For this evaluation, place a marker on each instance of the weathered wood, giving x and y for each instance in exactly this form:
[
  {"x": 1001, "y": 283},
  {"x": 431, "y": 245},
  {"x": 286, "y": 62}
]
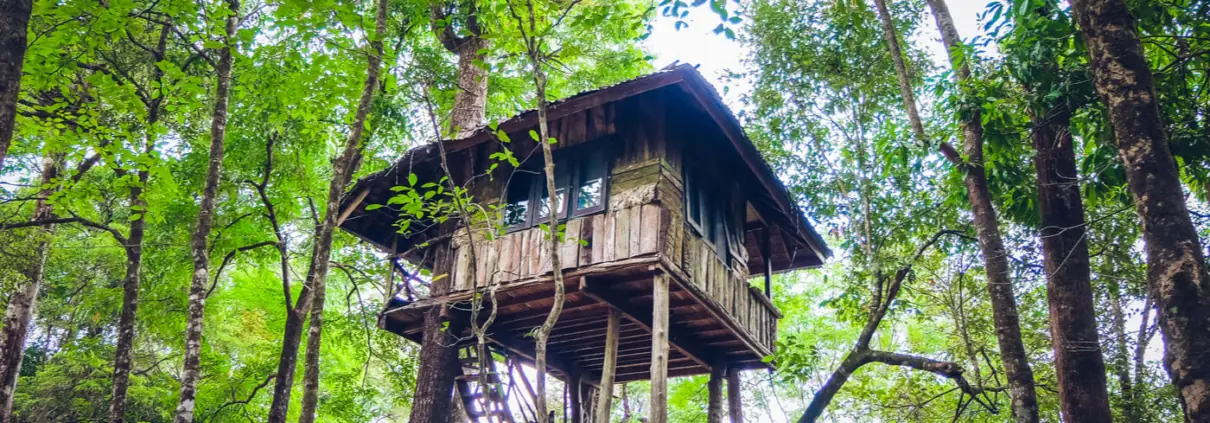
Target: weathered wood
[
  {"x": 714, "y": 388},
  {"x": 649, "y": 235},
  {"x": 621, "y": 233},
  {"x": 598, "y": 238},
  {"x": 735, "y": 401},
  {"x": 636, "y": 229},
  {"x": 605, "y": 399},
  {"x": 569, "y": 250},
  {"x": 609, "y": 243},
  {"x": 576, "y": 403},
  {"x": 659, "y": 350}
]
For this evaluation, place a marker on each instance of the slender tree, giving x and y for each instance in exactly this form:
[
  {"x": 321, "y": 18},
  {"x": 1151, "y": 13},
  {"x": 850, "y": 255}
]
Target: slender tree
[
  {"x": 1177, "y": 276},
  {"x": 14, "y": 22},
  {"x": 1019, "y": 374},
  {"x": 205, "y": 218},
  {"x": 343, "y": 169}
]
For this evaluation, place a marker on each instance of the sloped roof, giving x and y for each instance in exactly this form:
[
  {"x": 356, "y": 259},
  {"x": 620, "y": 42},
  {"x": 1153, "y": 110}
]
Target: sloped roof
[{"x": 799, "y": 228}]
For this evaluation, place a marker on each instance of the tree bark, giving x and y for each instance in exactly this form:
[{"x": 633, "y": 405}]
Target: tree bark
[
  {"x": 14, "y": 23},
  {"x": 714, "y": 392},
  {"x": 1019, "y": 375},
  {"x": 1121, "y": 353},
  {"x": 905, "y": 81},
  {"x": 310, "y": 399},
  {"x": 130, "y": 298},
  {"x": 1176, "y": 268},
  {"x": 23, "y": 302},
  {"x": 343, "y": 169},
  {"x": 439, "y": 358},
  {"x": 1079, "y": 364},
  {"x": 191, "y": 370}
]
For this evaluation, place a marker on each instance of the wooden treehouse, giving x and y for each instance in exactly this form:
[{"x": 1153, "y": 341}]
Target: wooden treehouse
[{"x": 671, "y": 211}]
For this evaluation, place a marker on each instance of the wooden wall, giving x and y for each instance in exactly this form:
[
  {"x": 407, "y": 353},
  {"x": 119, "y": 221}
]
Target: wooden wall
[{"x": 644, "y": 215}]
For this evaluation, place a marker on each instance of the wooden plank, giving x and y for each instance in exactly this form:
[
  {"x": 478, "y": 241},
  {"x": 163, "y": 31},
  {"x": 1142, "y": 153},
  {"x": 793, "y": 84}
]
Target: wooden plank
[
  {"x": 659, "y": 350},
  {"x": 569, "y": 249},
  {"x": 494, "y": 249},
  {"x": 584, "y": 249},
  {"x": 599, "y": 238},
  {"x": 609, "y": 249},
  {"x": 636, "y": 230},
  {"x": 621, "y": 234},
  {"x": 462, "y": 269},
  {"x": 605, "y": 399},
  {"x": 650, "y": 233}
]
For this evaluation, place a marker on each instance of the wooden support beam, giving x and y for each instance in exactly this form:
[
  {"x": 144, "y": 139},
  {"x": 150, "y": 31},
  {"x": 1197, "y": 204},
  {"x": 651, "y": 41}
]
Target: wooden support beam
[
  {"x": 638, "y": 315},
  {"x": 735, "y": 400},
  {"x": 352, "y": 206},
  {"x": 765, "y": 251},
  {"x": 577, "y": 402},
  {"x": 605, "y": 397},
  {"x": 659, "y": 350},
  {"x": 714, "y": 407}
]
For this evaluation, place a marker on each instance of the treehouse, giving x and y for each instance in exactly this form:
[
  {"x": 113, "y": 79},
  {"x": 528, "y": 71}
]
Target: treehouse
[{"x": 673, "y": 224}]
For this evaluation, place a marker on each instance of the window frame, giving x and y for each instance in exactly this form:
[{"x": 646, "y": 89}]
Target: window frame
[
  {"x": 719, "y": 220},
  {"x": 575, "y": 160}
]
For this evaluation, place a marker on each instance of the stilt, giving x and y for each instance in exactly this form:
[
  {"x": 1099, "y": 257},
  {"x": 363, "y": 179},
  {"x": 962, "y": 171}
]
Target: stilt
[
  {"x": 576, "y": 404},
  {"x": 714, "y": 409},
  {"x": 605, "y": 396},
  {"x": 735, "y": 400},
  {"x": 659, "y": 350}
]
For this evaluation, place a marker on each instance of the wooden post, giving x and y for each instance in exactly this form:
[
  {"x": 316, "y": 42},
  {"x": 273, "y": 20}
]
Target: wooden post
[
  {"x": 735, "y": 400},
  {"x": 659, "y": 350},
  {"x": 714, "y": 409},
  {"x": 605, "y": 396},
  {"x": 575, "y": 403},
  {"x": 766, "y": 249}
]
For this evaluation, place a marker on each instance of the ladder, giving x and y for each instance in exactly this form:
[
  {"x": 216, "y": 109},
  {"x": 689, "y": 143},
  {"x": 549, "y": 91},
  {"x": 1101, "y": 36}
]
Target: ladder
[{"x": 483, "y": 404}]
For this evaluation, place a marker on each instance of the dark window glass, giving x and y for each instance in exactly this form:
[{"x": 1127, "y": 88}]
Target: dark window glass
[
  {"x": 561, "y": 182},
  {"x": 590, "y": 190},
  {"x": 516, "y": 212}
]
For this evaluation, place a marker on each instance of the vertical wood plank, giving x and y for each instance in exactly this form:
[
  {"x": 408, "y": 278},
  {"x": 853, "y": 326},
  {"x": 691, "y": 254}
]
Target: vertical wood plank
[
  {"x": 462, "y": 272},
  {"x": 608, "y": 248},
  {"x": 537, "y": 247},
  {"x": 613, "y": 326},
  {"x": 650, "y": 234},
  {"x": 621, "y": 234},
  {"x": 584, "y": 249},
  {"x": 636, "y": 230},
  {"x": 659, "y": 350},
  {"x": 569, "y": 250}
]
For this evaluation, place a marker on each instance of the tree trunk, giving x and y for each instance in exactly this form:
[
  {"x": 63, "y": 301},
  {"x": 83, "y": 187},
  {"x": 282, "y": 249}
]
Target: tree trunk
[
  {"x": 1007, "y": 322},
  {"x": 552, "y": 244},
  {"x": 470, "y": 102},
  {"x": 1176, "y": 268},
  {"x": 191, "y": 371},
  {"x": 905, "y": 81},
  {"x": 1079, "y": 364},
  {"x": 343, "y": 169},
  {"x": 130, "y": 301},
  {"x": 14, "y": 23},
  {"x": 310, "y": 399},
  {"x": 1121, "y": 354},
  {"x": 439, "y": 359},
  {"x": 852, "y": 361},
  {"x": 22, "y": 303}
]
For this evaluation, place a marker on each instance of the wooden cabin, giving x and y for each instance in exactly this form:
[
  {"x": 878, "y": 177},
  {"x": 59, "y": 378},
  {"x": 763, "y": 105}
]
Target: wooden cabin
[{"x": 674, "y": 222}]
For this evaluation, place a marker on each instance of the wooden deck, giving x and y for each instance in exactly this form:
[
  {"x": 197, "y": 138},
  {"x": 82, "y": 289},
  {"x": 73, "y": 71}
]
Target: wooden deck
[{"x": 701, "y": 331}]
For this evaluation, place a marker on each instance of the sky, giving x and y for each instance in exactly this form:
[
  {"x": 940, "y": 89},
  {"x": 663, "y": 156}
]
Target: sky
[{"x": 715, "y": 54}]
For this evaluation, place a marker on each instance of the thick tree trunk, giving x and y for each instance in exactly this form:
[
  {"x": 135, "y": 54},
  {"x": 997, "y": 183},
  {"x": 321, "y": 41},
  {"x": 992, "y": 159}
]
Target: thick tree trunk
[
  {"x": 435, "y": 377},
  {"x": 191, "y": 370},
  {"x": 14, "y": 23},
  {"x": 828, "y": 391},
  {"x": 1007, "y": 322},
  {"x": 1079, "y": 364},
  {"x": 130, "y": 303},
  {"x": 1176, "y": 268},
  {"x": 470, "y": 102},
  {"x": 23, "y": 301},
  {"x": 343, "y": 169},
  {"x": 310, "y": 399}
]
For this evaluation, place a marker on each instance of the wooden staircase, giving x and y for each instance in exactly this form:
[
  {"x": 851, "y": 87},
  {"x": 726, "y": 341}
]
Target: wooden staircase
[{"x": 483, "y": 404}]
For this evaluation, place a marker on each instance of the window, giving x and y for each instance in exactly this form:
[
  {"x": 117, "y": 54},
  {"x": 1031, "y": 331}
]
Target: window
[
  {"x": 715, "y": 210},
  {"x": 585, "y": 170}
]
